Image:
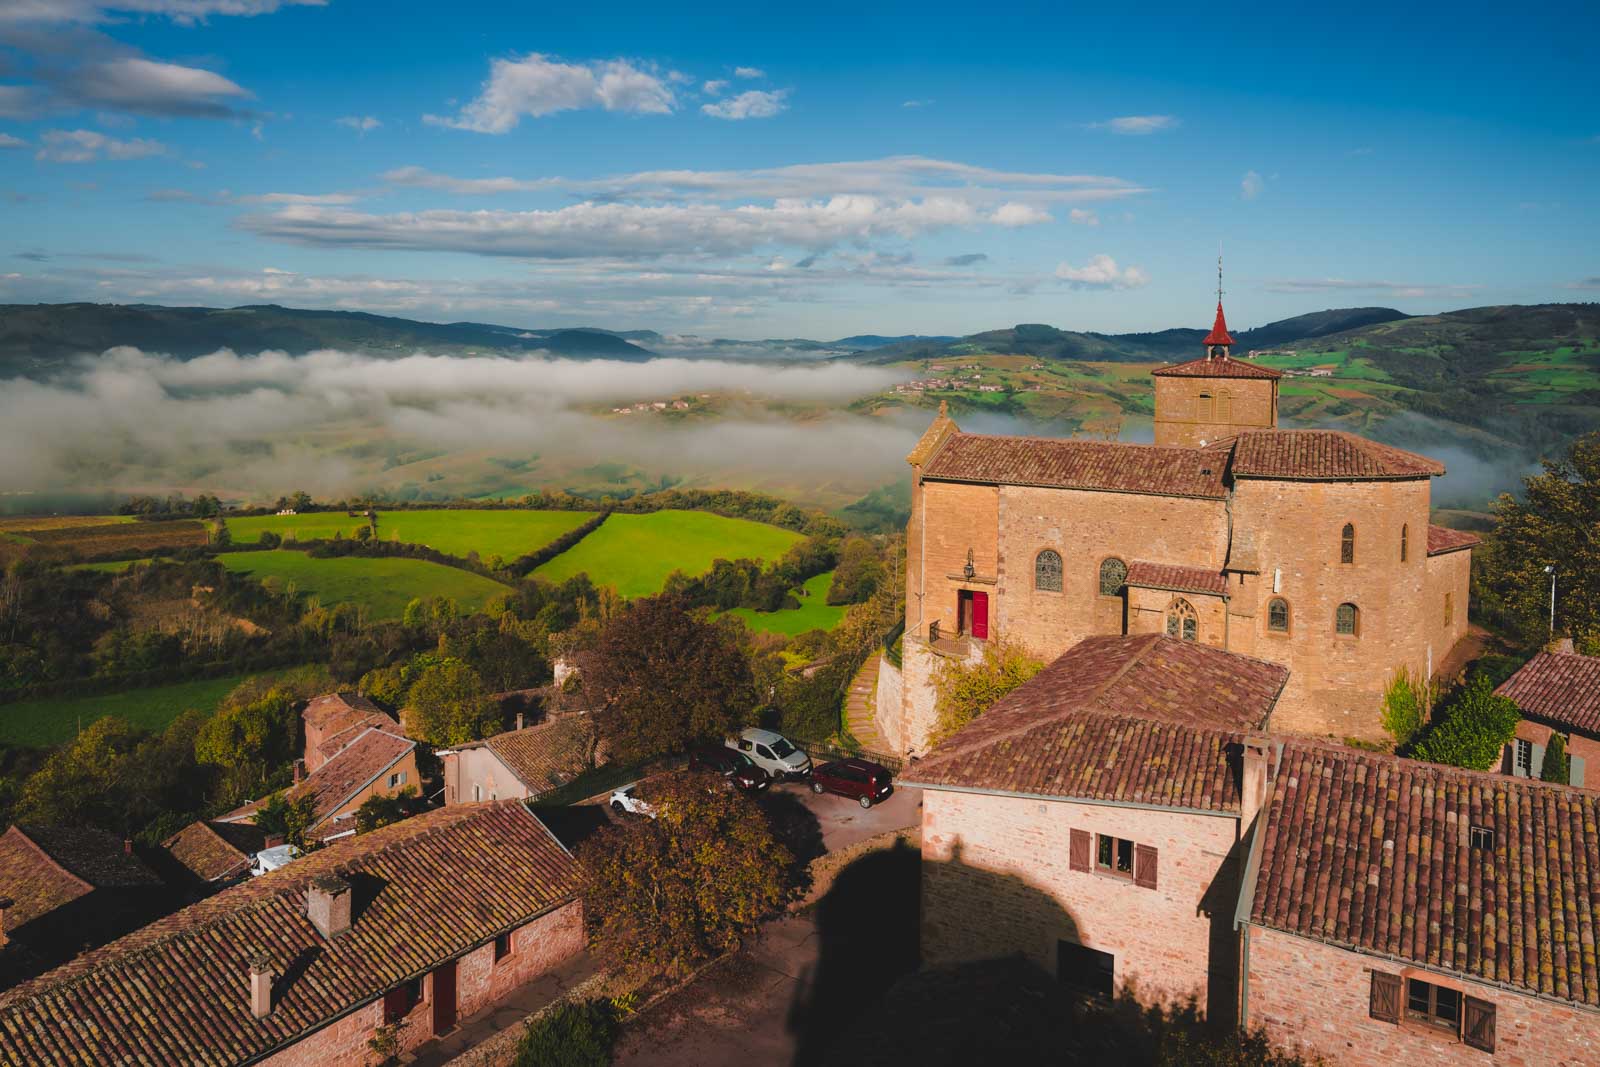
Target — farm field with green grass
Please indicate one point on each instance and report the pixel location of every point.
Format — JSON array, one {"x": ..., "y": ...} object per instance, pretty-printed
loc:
[
  {"x": 52, "y": 720},
  {"x": 814, "y": 612},
  {"x": 507, "y": 534},
  {"x": 383, "y": 585},
  {"x": 634, "y": 554}
]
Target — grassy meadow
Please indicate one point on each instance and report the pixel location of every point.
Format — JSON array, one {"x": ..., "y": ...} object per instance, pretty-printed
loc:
[
  {"x": 383, "y": 585},
  {"x": 52, "y": 720},
  {"x": 814, "y": 612},
  {"x": 507, "y": 534},
  {"x": 634, "y": 554}
]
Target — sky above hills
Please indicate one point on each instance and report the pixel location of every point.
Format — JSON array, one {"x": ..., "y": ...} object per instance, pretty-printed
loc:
[{"x": 809, "y": 172}]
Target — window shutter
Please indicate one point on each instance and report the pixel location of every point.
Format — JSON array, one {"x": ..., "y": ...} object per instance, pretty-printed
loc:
[
  {"x": 1144, "y": 866},
  {"x": 1478, "y": 1024},
  {"x": 1536, "y": 767},
  {"x": 1078, "y": 851},
  {"x": 396, "y": 1004},
  {"x": 1574, "y": 770},
  {"x": 1385, "y": 1004}
]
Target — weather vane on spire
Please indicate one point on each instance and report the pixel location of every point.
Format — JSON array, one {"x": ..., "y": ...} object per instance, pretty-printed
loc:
[{"x": 1219, "y": 277}]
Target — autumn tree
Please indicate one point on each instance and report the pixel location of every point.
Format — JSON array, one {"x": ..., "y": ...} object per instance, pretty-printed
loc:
[
  {"x": 449, "y": 705},
  {"x": 1555, "y": 524},
  {"x": 663, "y": 678},
  {"x": 663, "y": 893},
  {"x": 964, "y": 691}
]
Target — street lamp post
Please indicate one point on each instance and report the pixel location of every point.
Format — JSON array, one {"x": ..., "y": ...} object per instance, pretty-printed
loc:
[{"x": 1551, "y": 571}]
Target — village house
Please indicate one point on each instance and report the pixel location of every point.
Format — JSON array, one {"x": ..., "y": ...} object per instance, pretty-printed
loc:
[
  {"x": 328, "y": 720},
  {"x": 1093, "y": 818},
  {"x": 522, "y": 764},
  {"x": 414, "y": 925},
  {"x": 215, "y": 854},
  {"x": 1308, "y": 548},
  {"x": 1557, "y": 691},
  {"x": 65, "y": 890}
]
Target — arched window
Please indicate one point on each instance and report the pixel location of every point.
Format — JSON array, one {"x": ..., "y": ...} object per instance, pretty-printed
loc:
[
  {"x": 1182, "y": 620},
  {"x": 1347, "y": 544},
  {"x": 1047, "y": 571},
  {"x": 1278, "y": 615},
  {"x": 1405, "y": 540},
  {"x": 1113, "y": 574},
  {"x": 1347, "y": 620}
]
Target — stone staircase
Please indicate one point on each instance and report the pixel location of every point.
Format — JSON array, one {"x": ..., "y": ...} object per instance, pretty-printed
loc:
[{"x": 860, "y": 703}]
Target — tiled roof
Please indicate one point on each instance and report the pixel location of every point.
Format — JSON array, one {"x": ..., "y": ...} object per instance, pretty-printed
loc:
[
  {"x": 1324, "y": 455},
  {"x": 940, "y": 428},
  {"x": 99, "y": 858},
  {"x": 1442, "y": 539},
  {"x": 1561, "y": 688},
  {"x": 1146, "y": 719},
  {"x": 1375, "y": 853},
  {"x": 549, "y": 755},
  {"x": 212, "y": 852},
  {"x": 1105, "y": 465},
  {"x": 335, "y": 782},
  {"x": 1178, "y": 579},
  {"x": 338, "y": 710},
  {"x": 1224, "y": 367},
  {"x": 344, "y": 738},
  {"x": 177, "y": 991},
  {"x": 1219, "y": 334}
]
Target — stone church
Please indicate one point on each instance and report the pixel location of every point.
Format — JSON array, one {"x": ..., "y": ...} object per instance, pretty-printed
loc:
[{"x": 1307, "y": 548}]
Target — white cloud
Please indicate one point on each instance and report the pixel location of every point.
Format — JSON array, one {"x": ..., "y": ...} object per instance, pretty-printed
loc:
[
  {"x": 1101, "y": 272},
  {"x": 85, "y": 146},
  {"x": 8, "y": 141},
  {"x": 20, "y": 101},
  {"x": 1389, "y": 288},
  {"x": 298, "y": 198},
  {"x": 754, "y": 104},
  {"x": 749, "y": 72},
  {"x": 715, "y": 87},
  {"x": 1137, "y": 125},
  {"x": 359, "y": 123},
  {"x": 917, "y": 103},
  {"x": 180, "y": 11},
  {"x": 147, "y": 87},
  {"x": 1012, "y": 215},
  {"x": 536, "y": 85},
  {"x": 421, "y": 178},
  {"x": 1251, "y": 185},
  {"x": 1083, "y": 217}
]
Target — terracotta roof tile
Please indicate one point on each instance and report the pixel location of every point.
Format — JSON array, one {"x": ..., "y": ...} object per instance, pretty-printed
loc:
[
  {"x": 1178, "y": 579},
  {"x": 1561, "y": 688},
  {"x": 1226, "y": 367},
  {"x": 338, "y": 710},
  {"x": 214, "y": 852},
  {"x": 1324, "y": 455},
  {"x": 1069, "y": 464},
  {"x": 428, "y": 889},
  {"x": 344, "y": 738},
  {"x": 1375, "y": 853},
  {"x": 549, "y": 755},
  {"x": 335, "y": 782},
  {"x": 1442, "y": 539},
  {"x": 1144, "y": 719}
]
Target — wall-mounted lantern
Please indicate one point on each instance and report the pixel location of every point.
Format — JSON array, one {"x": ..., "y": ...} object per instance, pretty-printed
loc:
[{"x": 970, "y": 570}]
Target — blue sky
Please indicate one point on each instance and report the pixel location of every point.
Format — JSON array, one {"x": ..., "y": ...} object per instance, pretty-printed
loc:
[{"x": 816, "y": 173}]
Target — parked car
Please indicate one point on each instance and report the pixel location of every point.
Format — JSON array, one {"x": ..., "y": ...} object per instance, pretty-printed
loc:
[
  {"x": 739, "y": 770},
  {"x": 862, "y": 780},
  {"x": 773, "y": 753},
  {"x": 628, "y": 800}
]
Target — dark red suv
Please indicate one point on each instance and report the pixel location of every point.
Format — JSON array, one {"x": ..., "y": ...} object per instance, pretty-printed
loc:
[
  {"x": 863, "y": 780},
  {"x": 740, "y": 770}
]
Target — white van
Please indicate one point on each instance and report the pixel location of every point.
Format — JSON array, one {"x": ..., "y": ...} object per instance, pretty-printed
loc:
[{"x": 773, "y": 753}]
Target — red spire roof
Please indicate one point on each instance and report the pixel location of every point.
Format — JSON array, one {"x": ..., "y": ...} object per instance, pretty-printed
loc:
[{"x": 1219, "y": 330}]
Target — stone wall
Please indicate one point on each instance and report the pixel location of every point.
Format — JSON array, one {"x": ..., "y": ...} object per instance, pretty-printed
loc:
[
  {"x": 887, "y": 709},
  {"x": 1316, "y": 997},
  {"x": 1235, "y": 404}
]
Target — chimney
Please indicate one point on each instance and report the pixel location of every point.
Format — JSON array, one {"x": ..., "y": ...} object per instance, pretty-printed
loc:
[
  {"x": 1560, "y": 644},
  {"x": 328, "y": 905},
  {"x": 299, "y": 770},
  {"x": 519, "y": 720},
  {"x": 127, "y": 846},
  {"x": 1253, "y": 787},
  {"x": 261, "y": 978},
  {"x": 272, "y": 841},
  {"x": 5, "y": 906}
]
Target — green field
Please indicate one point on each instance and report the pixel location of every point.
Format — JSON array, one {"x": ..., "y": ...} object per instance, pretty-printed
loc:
[
  {"x": 814, "y": 613},
  {"x": 507, "y": 534},
  {"x": 634, "y": 553},
  {"x": 385, "y": 586},
  {"x": 40, "y": 723}
]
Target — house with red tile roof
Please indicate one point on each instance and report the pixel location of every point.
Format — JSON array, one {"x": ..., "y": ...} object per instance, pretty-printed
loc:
[
  {"x": 65, "y": 890},
  {"x": 524, "y": 764},
  {"x": 418, "y": 923},
  {"x": 1557, "y": 691},
  {"x": 1310, "y": 548},
  {"x": 332, "y": 720},
  {"x": 215, "y": 854}
]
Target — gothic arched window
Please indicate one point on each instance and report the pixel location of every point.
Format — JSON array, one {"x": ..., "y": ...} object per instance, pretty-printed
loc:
[
  {"x": 1047, "y": 571},
  {"x": 1182, "y": 620},
  {"x": 1347, "y": 620},
  {"x": 1347, "y": 544},
  {"x": 1113, "y": 574},
  {"x": 1278, "y": 615}
]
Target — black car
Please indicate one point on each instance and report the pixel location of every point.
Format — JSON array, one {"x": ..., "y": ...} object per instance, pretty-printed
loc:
[{"x": 740, "y": 770}]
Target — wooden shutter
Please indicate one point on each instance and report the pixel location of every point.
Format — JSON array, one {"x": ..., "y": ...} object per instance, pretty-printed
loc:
[
  {"x": 1078, "y": 852},
  {"x": 1574, "y": 770},
  {"x": 1478, "y": 1024},
  {"x": 396, "y": 1005},
  {"x": 1385, "y": 1004},
  {"x": 1144, "y": 866}
]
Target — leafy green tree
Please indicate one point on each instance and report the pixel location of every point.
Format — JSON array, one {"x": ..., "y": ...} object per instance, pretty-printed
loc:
[
  {"x": 663, "y": 678},
  {"x": 1556, "y": 766},
  {"x": 222, "y": 537},
  {"x": 449, "y": 705},
  {"x": 569, "y": 1034},
  {"x": 292, "y": 819},
  {"x": 1405, "y": 706},
  {"x": 261, "y": 733},
  {"x": 1554, "y": 524},
  {"x": 268, "y": 539},
  {"x": 301, "y": 501},
  {"x": 962, "y": 692},
  {"x": 664, "y": 893},
  {"x": 1472, "y": 729},
  {"x": 859, "y": 573},
  {"x": 384, "y": 809}
]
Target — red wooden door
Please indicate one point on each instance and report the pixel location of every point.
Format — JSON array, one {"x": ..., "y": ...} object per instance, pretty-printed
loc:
[
  {"x": 444, "y": 998},
  {"x": 980, "y": 615}
]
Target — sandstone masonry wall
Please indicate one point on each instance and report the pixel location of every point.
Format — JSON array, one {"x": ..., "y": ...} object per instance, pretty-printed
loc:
[{"x": 1235, "y": 404}]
